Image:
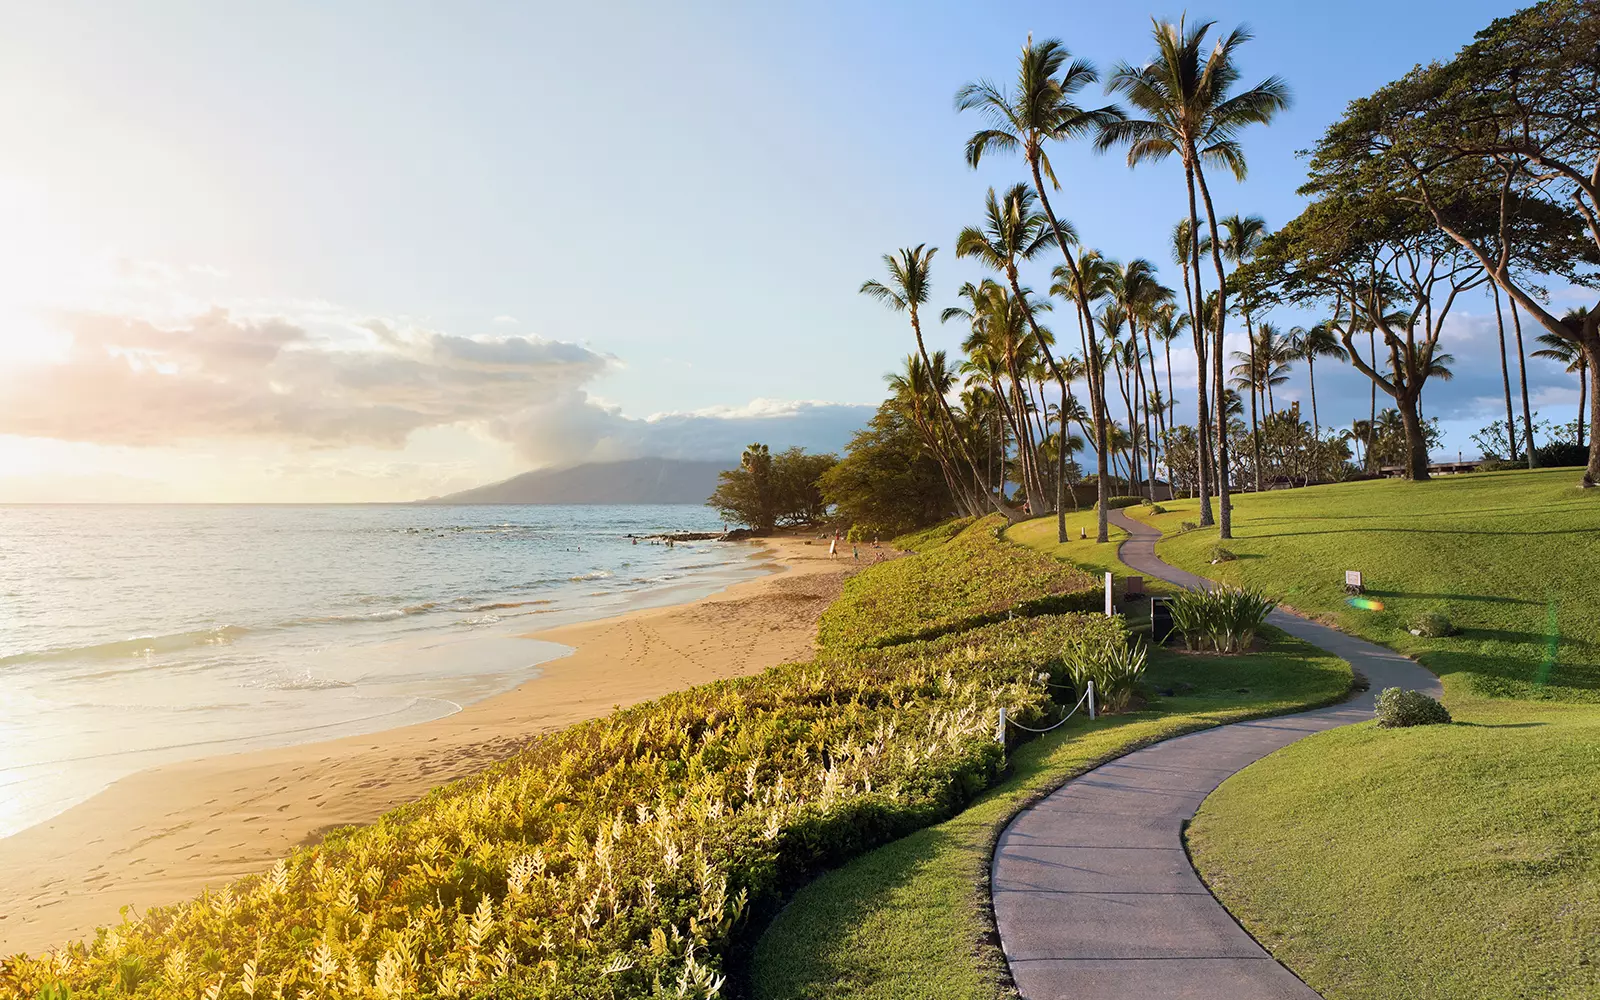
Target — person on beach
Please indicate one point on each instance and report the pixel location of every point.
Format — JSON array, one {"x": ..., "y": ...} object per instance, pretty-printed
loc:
[
  {"x": 855, "y": 551},
  {"x": 833, "y": 546}
]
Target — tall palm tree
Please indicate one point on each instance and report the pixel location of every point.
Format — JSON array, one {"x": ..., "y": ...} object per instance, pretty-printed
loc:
[
  {"x": 1184, "y": 252},
  {"x": 908, "y": 288},
  {"x": 1013, "y": 231},
  {"x": 1245, "y": 234},
  {"x": 1183, "y": 94},
  {"x": 1042, "y": 109},
  {"x": 1320, "y": 341},
  {"x": 1565, "y": 352},
  {"x": 1137, "y": 291}
]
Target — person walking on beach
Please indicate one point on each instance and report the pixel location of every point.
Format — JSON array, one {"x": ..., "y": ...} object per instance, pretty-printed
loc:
[
  {"x": 855, "y": 551},
  {"x": 833, "y": 546}
]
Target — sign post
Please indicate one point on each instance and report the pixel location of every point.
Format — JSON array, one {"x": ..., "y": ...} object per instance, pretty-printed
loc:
[{"x": 1110, "y": 610}]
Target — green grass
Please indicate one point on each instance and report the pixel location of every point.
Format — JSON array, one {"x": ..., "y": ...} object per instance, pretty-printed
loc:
[
  {"x": 1458, "y": 861},
  {"x": 969, "y": 580},
  {"x": 1087, "y": 554},
  {"x": 1513, "y": 559},
  {"x": 911, "y": 920},
  {"x": 931, "y": 538}
]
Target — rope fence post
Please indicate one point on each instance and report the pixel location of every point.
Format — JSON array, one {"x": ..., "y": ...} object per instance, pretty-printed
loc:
[{"x": 1000, "y": 730}]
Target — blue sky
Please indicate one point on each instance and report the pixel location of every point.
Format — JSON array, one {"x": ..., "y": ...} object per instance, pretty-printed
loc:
[{"x": 691, "y": 194}]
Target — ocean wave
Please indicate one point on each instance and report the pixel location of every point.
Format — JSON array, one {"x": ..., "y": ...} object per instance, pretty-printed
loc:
[
  {"x": 599, "y": 574},
  {"x": 303, "y": 681},
  {"x": 480, "y": 620},
  {"x": 137, "y": 646}
]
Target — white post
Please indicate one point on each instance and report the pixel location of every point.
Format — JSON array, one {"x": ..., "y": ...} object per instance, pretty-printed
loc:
[
  {"x": 1110, "y": 610},
  {"x": 1000, "y": 730},
  {"x": 1090, "y": 685}
]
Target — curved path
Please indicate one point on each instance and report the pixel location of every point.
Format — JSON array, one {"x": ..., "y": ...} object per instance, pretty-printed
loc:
[{"x": 1094, "y": 895}]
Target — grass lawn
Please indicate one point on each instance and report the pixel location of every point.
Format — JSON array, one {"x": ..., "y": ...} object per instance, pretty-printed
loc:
[
  {"x": 1512, "y": 558},
  {"x": 1457, "y": 861},
  {"x": 911, "y": 919},
  {"x": 1085, "y": 553}
]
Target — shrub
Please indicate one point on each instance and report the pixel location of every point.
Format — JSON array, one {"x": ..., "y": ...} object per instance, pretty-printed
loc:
[
  {"x": 610, "y": 859},
  {"x": 1187, "y": 526},
  {"x": 1398, "y": 708},
  {"x": 1221, "y": 555},
  {"x": 1432, "y": 625},
  {"x": 972, "y": 580},
  {"x": 1117, "y": 503},
  {"x": 1115, "y": 666},
  {"x": 1224, "y": 620},
  {"x": 1561, "y": 453},
  {"x": 1156, "y": 508}
]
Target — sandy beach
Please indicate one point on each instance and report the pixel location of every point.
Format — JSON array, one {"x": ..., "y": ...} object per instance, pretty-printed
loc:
[{"x": 162, "y": 835}]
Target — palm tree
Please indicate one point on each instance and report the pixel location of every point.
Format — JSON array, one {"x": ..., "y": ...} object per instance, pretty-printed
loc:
[
  {"x": 1013, "y": 231},
  {"x": 1565, "y": 352},
  {"x": 1183, "y": 94},
  {"x": 1245, "y": 234},
  {"x": 1042, "y": 109},
  {"x": 907, "y": 289},
  {"x": 1308, "y": 345},
  {"x": 1184, "y": 252},
  {"x": 1137, "y": 291}
]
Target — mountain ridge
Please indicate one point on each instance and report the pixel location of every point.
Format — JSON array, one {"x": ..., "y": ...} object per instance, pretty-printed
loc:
[{"x": 632, "y": 481}]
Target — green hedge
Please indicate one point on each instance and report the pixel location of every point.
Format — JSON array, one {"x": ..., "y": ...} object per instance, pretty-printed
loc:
[
  {"x": 974, "y": 579},
  {"x": 624, "y": 857}
]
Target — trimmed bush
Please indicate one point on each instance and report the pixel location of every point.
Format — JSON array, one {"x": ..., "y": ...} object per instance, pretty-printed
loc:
[
  {"x": 1187, "y": 526},
  {"x": 1221, "y": 555},
  {"x": 1223, "y": 620},
  {"x": 1560, "y": 453},
  {"x": 1398, "y": 708},
  {"x": 620, "y": 858},
  {"x": 974, "y": 579},
  {"x": 1432, "y": 625}
]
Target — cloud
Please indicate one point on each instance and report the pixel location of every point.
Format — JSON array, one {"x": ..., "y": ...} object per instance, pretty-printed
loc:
[{"x": 347, "y": 383}]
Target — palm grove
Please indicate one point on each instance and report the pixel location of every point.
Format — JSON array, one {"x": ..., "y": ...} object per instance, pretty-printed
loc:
[{"x": 1481, "y": 174}]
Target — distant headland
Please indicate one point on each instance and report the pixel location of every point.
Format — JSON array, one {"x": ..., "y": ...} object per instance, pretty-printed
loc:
[{"x": 636, "y": 481}]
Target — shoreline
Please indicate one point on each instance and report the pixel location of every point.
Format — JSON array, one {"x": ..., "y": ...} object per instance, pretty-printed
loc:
[{"x": 161, "y": 835}]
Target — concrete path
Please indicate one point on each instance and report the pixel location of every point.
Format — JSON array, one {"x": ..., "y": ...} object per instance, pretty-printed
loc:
[{"x": 1094, "y": 895}]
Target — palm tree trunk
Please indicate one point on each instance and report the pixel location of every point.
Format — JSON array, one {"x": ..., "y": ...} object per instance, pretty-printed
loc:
[
  {"x": 950, "y": 421},
  {"x": 1311, "y": 373},
  {"x": 1096, "y": 394},
  {"x": 1255, "y": 375},
  {"x": 1522, "y": 373},
  {"x": 1198, "y": 329},
  {"x": 1505, "y": 373},
  {"x": 1224, "y": 505}
]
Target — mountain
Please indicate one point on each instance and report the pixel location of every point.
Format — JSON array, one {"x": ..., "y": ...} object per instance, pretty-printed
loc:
[{"x": 640, "y": 480}]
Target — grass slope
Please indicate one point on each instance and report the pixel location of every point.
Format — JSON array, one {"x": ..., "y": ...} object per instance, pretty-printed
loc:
[
  {"x": 1512, "y": 558},
  {"x": 911, "y": 919},
  {"x": 1093, "y": 557},
  {"x": 1457, "y": 861},
  {"x": 972, "y": 579}
]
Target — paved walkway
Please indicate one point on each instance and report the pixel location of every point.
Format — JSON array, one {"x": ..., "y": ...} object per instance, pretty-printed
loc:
[{"x": 1094, "y": 895}]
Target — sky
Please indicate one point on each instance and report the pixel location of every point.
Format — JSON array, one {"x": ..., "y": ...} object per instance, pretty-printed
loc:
[{"x": 381, "y": 251}]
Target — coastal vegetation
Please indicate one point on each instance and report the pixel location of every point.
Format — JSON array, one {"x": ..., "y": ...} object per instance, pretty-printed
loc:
[
  {"x": 767, "y": 491},
  {"x": 967, "y": 581}
]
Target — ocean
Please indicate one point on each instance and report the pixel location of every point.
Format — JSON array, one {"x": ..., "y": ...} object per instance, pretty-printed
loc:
[{"x": 133, "y": 636}]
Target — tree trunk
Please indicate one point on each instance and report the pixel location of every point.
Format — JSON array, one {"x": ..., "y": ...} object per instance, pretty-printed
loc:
[
  {"x": 1522, "y": 373},
  {"x": 950, "y": 422},
  {"x": 1224, "y": 505},
  {"x": 1416, "y": 443},
  {"x": 1255, "y": 374},
  {"x": 1196, "y": 303},
  {"x": 1096, "y": 394},
  {"x": 1372, "y": 421},
  {"x": 1505, "y": 374}
]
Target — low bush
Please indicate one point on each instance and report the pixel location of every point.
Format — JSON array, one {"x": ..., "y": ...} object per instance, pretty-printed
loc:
[
  {"x": 1223, "y": 620},
  {"x": 624, "y": 857},
  {"x": 1187, "y": 526},
  {"x": 1117, "y": 503},
  {"x": 1221, "y": 555},
  {"x": 1398, "y": 708},
  {"x": 971, "y": 580},
  {"x": 1115, "y": 666},
  {"x": 1432, "y": 625}
]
